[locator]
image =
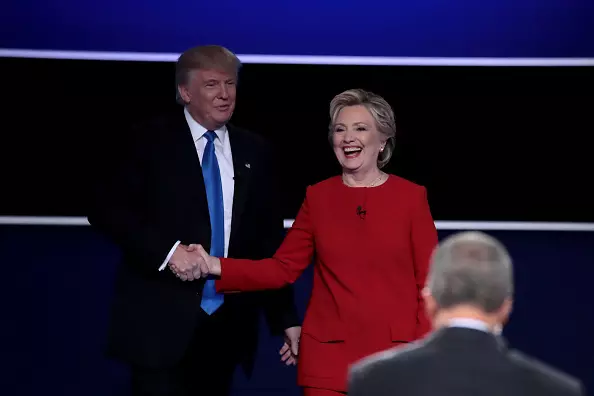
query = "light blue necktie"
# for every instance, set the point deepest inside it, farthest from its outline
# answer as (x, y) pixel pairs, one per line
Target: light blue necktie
(211, 300)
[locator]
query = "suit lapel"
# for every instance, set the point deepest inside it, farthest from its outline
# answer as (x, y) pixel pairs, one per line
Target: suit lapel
(242, 174)
(188, 164)
(189, 167)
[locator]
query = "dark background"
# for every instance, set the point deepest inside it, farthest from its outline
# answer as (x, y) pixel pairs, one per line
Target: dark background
(490, 143)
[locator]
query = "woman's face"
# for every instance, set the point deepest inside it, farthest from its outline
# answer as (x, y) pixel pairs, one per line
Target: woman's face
(356, 139)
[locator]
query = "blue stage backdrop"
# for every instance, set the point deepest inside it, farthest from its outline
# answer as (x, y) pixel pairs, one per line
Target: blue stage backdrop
(57, 285)
(377, 28)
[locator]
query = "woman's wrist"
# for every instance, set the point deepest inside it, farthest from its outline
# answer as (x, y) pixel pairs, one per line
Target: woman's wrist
(216, 266)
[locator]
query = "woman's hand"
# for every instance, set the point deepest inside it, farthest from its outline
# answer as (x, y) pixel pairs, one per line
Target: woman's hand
(290, 349)
(212, 264)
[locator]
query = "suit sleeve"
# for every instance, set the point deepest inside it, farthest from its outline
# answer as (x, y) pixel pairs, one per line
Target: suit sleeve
(116, 212)
(424, 239)
(288, 263)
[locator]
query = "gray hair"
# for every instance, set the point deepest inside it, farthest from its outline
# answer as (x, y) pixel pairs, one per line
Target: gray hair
(204, 57)
(380, 110)
(471, 268)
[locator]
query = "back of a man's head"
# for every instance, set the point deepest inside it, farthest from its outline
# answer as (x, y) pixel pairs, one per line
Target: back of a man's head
(471, 269)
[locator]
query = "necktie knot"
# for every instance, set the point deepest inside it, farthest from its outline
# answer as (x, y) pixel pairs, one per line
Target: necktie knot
(210, 136)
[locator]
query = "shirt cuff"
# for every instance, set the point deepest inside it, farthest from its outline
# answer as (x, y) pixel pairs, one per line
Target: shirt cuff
(164, 265)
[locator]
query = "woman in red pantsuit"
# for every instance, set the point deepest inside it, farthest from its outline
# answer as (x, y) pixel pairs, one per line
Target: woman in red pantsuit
(371, 235)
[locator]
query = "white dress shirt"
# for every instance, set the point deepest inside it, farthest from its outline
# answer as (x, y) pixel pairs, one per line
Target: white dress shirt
(225, 160)
(475, 324)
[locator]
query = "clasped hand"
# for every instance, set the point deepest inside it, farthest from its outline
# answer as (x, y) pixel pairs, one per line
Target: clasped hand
(192, 262)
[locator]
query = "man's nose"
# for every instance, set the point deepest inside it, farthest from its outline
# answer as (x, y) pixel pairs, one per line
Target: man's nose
(224, 92)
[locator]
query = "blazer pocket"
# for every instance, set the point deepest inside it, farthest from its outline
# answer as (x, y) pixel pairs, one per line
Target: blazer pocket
(323, 354)
(402, 332)
(325, 333)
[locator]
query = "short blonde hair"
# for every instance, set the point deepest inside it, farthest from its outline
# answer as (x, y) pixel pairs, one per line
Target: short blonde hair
(380, 110)
(204, 57)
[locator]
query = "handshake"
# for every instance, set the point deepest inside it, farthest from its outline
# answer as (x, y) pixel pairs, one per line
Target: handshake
(192, 262)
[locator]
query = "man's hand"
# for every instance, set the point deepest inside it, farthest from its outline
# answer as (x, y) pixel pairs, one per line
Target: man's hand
(213, 264)
(290, 349)
(187, 264)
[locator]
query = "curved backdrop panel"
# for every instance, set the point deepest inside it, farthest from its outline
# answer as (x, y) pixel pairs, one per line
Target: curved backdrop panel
(378, 28)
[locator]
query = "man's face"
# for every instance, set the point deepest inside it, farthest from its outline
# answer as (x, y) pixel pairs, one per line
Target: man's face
(210, 97)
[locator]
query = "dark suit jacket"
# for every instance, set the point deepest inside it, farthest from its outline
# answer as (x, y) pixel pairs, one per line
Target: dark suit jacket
(156, 197)
(460, 362)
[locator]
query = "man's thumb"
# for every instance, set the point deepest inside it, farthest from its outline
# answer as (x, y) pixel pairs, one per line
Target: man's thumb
(201, 250)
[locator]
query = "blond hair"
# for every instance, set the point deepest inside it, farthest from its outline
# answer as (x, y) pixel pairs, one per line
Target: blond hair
(205, 57)
(380, 110)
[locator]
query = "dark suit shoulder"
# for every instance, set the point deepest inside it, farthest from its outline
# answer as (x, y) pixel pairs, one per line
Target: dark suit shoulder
(388, 359)
(368, 372)
(153, 132)
(251, 138)
(556, 381)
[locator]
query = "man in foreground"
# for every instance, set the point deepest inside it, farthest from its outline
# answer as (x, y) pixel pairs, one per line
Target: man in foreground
(469, 299)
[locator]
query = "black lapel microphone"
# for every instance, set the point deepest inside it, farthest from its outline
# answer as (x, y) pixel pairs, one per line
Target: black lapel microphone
(361, 212)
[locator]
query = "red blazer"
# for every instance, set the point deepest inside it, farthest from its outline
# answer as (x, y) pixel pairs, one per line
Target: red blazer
(372, 248)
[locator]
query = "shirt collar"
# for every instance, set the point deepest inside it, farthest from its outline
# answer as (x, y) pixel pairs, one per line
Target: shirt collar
(469, 323)
(198, 130)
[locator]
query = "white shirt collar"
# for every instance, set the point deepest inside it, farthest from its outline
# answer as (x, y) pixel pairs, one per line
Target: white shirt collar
(469, 323)
(198, 130)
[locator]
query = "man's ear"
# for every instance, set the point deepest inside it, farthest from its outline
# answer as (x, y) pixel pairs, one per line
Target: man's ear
(430, 303)
(184, 94)
(505, 311)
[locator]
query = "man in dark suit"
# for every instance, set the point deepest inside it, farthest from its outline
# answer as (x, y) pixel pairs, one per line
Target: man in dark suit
(468, 298)
(192, 178)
